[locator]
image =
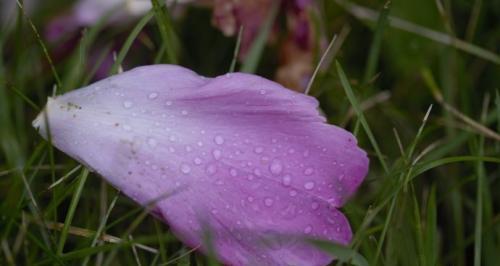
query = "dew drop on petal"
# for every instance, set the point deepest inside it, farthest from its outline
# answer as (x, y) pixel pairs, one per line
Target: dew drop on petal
(287, 180)
(168, 103)
(309, 185)
(268, 202)
(276, 167)
(197, 161)
(153, 95)
(233, 172)
(308, 229)
(219, 140)
(257, 172)
(185, 168)
(217, 154)
(211, 169)
(127, 104)
(292, 193)
(258, 150)
(152, 142)
(308, 171)
(314, 205)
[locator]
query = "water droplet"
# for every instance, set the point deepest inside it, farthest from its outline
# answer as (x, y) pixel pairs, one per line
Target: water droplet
(308, 171)
(268, 202)
(287, 180)
(185, 168)
(314, 205)
(262, 92)
(233, 172)
(219, 182)
(152, 142)
(188, 148)
(127, 127)
(257, 172)
(211, 169)
(308, 229)
(292, 193)
(276, 167)
(168, 103)
(309, 185)
(250, 199)
(197, 161)
(219, 140)
(258, 150)
(172, 138)
(217, 154)
(184, 112)
(153, 95)
(127, 104)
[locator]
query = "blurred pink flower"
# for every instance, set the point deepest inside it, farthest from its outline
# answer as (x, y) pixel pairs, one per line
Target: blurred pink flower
(230, 15)
(238, 155)
(86, 13)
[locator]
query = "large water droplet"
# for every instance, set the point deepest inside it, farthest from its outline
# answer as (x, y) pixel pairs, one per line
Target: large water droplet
(309, 185)
(127, 104)
(287, 180)
(308, 171)
(233, 172)
(197, 161)
(257, 172)
(185, 168)
(153, 95)
(308, 229)
(217, 154)
(258, 150)
(211, 169)
(268, 202)
(276, 167)
(152, 142)
(219, 140)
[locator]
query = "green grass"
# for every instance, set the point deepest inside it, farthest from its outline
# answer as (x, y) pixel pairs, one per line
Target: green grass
(430, 197)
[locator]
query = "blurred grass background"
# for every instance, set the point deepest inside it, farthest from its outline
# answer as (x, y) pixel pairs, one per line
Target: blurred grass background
(430, 197)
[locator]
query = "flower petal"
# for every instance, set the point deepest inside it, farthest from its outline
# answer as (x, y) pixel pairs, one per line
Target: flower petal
(238, 154)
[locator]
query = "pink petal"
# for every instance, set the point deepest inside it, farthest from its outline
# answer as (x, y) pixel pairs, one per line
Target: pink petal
(239, 155)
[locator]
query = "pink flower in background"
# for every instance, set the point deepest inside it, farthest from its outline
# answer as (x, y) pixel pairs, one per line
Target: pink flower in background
(85, 13)
(237, 155)
(296, 57)
(230, 15)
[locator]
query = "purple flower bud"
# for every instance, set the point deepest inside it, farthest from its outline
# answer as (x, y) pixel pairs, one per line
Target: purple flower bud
(237, 155)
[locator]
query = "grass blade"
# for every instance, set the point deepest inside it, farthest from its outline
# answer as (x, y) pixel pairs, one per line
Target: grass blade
(236, 50)
(359, 112)
(129, 41)
(258, 45)
(166, 31)
(373, 55)
(72, 209)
